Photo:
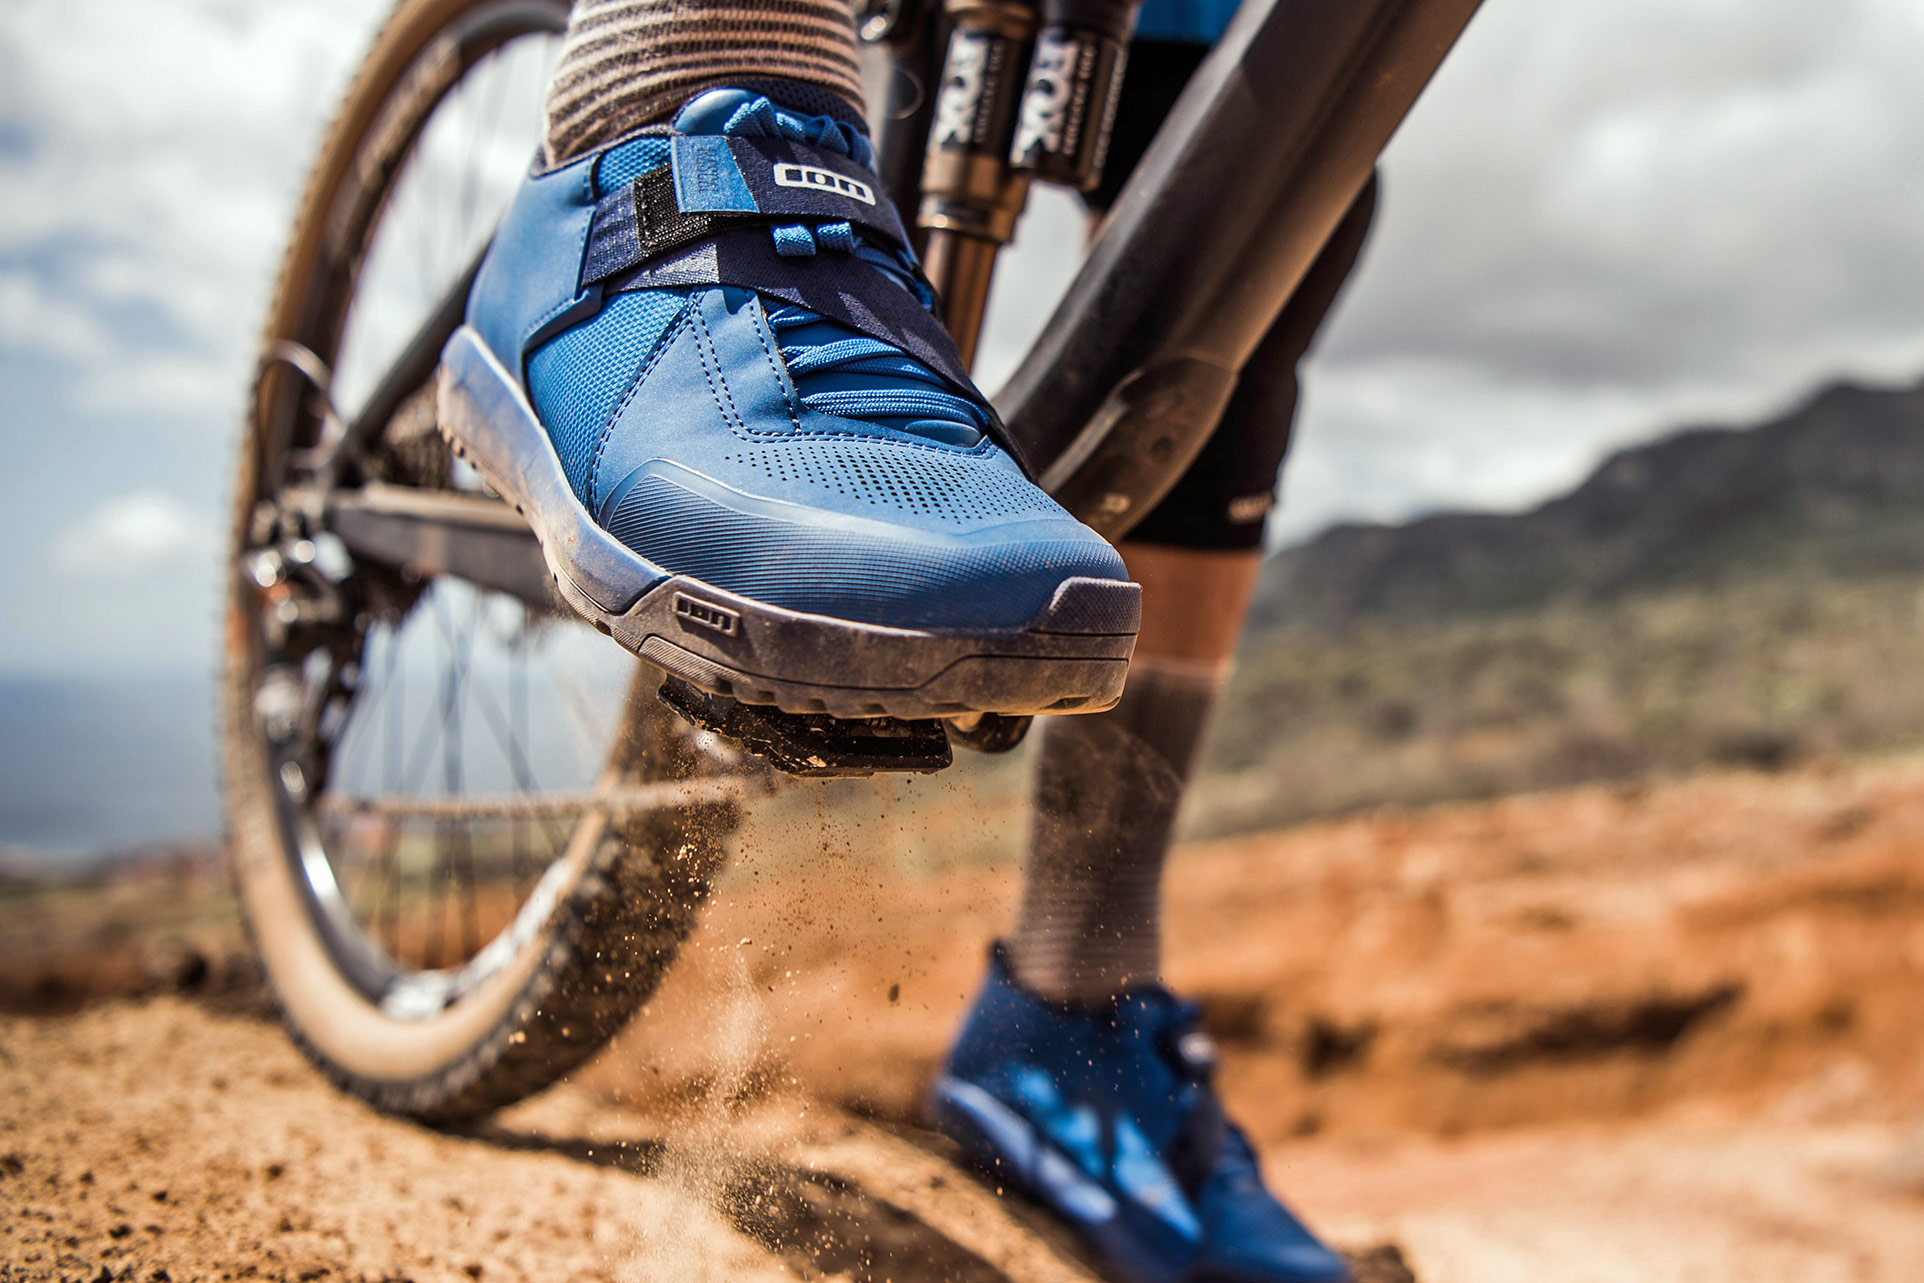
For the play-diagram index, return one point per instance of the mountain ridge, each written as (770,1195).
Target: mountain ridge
(1832,487)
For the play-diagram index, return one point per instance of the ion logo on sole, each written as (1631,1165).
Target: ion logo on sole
(716,619)
(814,176)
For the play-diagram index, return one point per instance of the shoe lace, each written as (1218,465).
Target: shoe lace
(852,375)
(836,370)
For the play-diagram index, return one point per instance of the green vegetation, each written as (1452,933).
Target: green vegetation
(1758,674)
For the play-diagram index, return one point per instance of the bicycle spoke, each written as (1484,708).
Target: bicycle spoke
(390,925)
(414,363)
(395,708)
(580,706)
(452,844)
(518,724)
(512,750)
(356,745)
(423,228)
(468,192)
(468,843)
(435,733)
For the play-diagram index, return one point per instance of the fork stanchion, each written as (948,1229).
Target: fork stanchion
(971,195)
(914,36)
(961,267)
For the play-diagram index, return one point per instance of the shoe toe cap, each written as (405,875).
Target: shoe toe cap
(907,574)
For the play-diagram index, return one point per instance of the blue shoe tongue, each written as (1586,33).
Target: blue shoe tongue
(738,113)
(710,113)
(835,369)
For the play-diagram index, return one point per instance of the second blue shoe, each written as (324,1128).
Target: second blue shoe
(702,363)
(1108,1117)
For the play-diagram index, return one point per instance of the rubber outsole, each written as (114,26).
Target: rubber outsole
(1072,658)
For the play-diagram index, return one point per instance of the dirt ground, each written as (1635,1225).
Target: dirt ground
(1660,1034)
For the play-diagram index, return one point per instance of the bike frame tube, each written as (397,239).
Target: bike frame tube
(1261,157)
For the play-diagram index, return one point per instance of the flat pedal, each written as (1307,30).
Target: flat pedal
(989,732)
(814,745)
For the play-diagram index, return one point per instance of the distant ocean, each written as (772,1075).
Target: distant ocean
(96,766)
(93,766)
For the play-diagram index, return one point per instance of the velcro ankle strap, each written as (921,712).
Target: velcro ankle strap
(711,184)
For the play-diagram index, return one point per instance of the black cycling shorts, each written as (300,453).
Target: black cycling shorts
(1220,502)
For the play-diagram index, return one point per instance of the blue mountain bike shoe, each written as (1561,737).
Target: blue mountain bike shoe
(702,363)
(1108,1118)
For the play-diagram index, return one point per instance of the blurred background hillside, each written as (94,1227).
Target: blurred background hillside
(1717,598)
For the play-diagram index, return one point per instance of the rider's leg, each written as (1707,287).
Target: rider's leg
(1077,1077)
(1108,786)
(629,63)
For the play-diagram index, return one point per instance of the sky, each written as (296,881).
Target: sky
(1606,218)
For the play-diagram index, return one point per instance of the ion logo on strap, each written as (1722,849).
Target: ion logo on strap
(824,179)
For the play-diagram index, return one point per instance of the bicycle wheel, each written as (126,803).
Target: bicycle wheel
(467,838)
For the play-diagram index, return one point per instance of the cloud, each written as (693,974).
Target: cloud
(1384,440)
(131,585)
(34,319)
(137,534)
(1609,218)
(154,157)
(167,386)
(1640,191)
(1605,218)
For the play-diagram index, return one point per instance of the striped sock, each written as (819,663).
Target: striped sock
(1108,786)
(629,63)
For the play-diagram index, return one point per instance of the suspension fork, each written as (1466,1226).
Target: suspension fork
(1023,93)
